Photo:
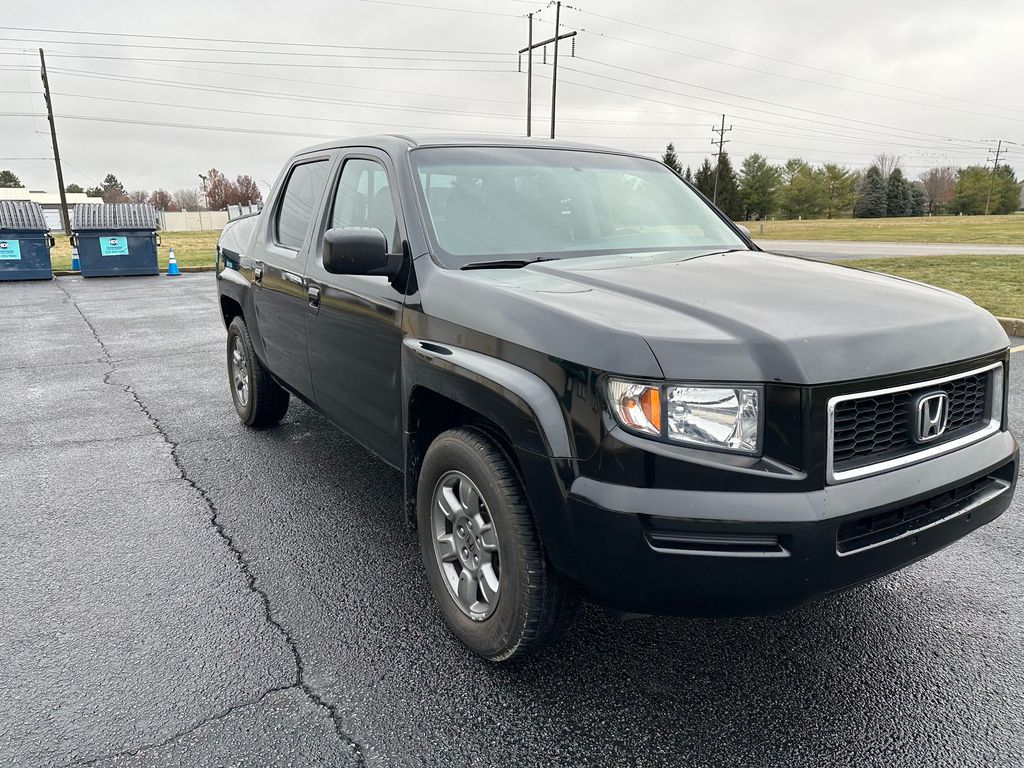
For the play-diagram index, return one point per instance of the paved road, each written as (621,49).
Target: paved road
(178,591)
(838,250)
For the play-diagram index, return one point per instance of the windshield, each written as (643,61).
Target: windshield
(501,203)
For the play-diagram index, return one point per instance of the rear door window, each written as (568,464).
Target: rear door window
(298,203)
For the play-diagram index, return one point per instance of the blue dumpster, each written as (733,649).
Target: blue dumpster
(25,242)
(116,239)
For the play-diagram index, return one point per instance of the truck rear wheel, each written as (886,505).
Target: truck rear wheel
(484,561)
(259,400)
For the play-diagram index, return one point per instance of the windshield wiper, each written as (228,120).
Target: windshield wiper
(506,263)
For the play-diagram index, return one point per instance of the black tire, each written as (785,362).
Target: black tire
(535,604)
(266,402)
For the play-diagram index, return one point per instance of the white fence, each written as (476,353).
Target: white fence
(192,221)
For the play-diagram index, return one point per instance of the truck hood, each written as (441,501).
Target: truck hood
(739,316)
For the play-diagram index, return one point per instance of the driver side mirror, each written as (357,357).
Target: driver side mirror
(358,251)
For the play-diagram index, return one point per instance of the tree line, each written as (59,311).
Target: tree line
(218,193)
(799,190)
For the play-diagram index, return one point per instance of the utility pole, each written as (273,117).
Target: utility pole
(718,163)
(65,219)
(529,81)
(530,47)
(554,67)
(992,180)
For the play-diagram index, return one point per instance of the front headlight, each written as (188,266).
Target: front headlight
(714,417)
(722,418)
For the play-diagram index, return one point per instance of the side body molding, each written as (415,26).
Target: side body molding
(512,397)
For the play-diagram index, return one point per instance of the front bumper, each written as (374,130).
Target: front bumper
(712,553)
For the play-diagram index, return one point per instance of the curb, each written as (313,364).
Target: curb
(74,272)
(1012,325)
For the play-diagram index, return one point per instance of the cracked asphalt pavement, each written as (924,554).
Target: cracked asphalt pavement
(176,590)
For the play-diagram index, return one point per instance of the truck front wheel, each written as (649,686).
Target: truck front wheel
(484,561)
(259,400)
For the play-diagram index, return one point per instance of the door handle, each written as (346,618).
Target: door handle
(313,295)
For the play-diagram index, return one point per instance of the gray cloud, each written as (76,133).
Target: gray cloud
(965,52)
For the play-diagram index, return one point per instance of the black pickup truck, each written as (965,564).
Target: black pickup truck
(595,384)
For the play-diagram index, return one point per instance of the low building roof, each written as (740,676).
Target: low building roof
(45,198)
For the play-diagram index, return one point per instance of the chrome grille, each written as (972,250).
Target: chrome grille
(870,430)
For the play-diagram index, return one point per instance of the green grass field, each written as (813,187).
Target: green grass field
(191,249)
(993,230)
(993,282)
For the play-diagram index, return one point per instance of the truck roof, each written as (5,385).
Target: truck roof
(398,142)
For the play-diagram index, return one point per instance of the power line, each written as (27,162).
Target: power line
(190,126)
(252,113)
(347,86)
(810,130)
(444,8)
(762,71)
(245,91)
(314,65)
(769,58)
(741,96)
(636,96)
(425,110)
(208,49)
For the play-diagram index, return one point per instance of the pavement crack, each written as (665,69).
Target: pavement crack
(182,733)
(300,680)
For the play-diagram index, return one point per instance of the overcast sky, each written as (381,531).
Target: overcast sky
(824,81)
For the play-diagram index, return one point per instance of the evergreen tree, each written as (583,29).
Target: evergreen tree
(704,179)
(671,159)
(759,187)
(1006,191)
(113,190)
(688,175)
(896,203)
(728,199)
(74,189)
(871,199)
(9,180)
(918,200)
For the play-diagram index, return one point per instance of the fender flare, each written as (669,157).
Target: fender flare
(515,399)
(233,285)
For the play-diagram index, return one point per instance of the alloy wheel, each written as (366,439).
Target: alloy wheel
(466,545)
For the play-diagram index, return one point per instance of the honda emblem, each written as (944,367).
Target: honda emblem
(932,415)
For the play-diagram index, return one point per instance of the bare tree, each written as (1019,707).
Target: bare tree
(187,199)
(161,200)
(138,196)
(220,191)
(939,185)
(887,163)
(248,191)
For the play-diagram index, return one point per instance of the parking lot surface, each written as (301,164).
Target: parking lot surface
(178,590)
